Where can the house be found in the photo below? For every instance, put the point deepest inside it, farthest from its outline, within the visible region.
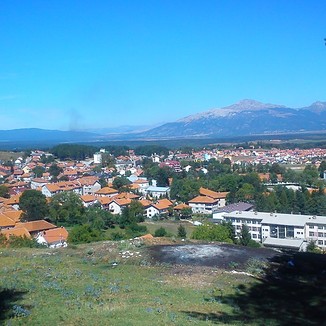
(158, 208)
(107, 191)
(34, 227)
(53, 238)
(203, 205)
(90, 185)
(118, 204)
(157, 192)
(89, 200)
(221, 196)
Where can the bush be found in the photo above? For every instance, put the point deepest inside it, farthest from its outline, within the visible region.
(161, 232)
(182, 233)
(84, 234)
(134, 230)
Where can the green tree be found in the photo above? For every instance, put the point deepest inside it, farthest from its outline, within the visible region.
(182, 233)
(160, 232)
(99, 218)
(212, 232)
(33, 204)
(67, 208)
(4, 191)
(55, 170)
(38, 171)
(244, 238)
(121, 183)
(84, 234)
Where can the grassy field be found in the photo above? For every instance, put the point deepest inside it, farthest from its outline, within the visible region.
(170, 226)
(105, 284)
(119, 283)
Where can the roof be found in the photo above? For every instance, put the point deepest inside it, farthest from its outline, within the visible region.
(241, 206)
(286, 243)
(16, 231)
(88, 198)
(145, 202)
(55, 235)
(203, 199)
(5, 221)
(181, 206)
(157, 189)
(34, 226)
(106, 191)
(13, 214)
(278, 218)
(212, 194)
(162, 204)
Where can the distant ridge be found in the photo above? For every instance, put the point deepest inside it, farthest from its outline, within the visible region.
(247, 117)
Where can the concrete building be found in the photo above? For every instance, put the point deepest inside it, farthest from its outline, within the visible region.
(292, 231)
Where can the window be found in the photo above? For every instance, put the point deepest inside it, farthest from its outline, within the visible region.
(311, 226)
(290, 232)
(320, 242)
(254, 236)
(320, 234)
(311, 234)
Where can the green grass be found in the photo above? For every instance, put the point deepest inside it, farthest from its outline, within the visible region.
(170, 226)
(82, 286)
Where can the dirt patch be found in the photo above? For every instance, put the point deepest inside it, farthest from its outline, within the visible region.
(213, 255)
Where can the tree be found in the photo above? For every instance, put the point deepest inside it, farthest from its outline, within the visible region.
(33, 204)
(38, 171)
(55, 170)
(120, 183)
(4, 192)
(245, 237)
(67, 208)
(84, 234)
(182, 233)
(99, 218)
(160, 232)
(212, 232)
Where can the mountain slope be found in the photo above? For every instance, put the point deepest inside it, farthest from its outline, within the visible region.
(248, 117)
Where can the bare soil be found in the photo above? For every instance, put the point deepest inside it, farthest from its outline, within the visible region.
(221, 256)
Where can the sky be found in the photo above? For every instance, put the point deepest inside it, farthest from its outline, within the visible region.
(78, 65)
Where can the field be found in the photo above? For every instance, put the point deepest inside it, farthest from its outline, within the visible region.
(120, 283)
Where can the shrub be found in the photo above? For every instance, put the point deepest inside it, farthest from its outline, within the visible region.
(161, 232)
(182, 233)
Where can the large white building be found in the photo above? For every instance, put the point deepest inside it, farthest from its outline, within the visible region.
(281, 230)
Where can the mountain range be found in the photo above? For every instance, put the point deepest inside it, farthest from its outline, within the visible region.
(245, 118)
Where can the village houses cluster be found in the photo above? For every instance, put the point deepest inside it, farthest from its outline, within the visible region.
(81, 178)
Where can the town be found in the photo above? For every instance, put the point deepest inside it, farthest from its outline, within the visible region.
(276, 195)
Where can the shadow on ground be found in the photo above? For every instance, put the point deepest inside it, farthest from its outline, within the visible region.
(292, 291)
(8, 301)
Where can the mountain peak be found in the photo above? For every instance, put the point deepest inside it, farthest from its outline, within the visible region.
(317, 106)
(243, 105)
(248, 104)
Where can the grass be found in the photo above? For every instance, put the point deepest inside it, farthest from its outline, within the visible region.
(118, 283)
(93, 284)
(170, 226)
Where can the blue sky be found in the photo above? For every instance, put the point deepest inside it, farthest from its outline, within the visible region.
(96, 64)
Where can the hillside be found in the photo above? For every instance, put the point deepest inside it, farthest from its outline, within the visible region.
(118, 283)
